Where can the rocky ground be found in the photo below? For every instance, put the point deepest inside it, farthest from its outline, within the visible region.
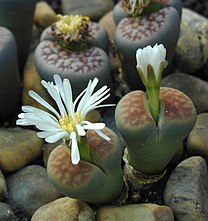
(185, 182)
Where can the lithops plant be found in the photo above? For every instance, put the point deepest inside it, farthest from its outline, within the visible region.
(87, 165)
(142, 23)
(127, 8)
(10, 80)
(75, 48)
(17, 16)
(153, 135)
(99, 180)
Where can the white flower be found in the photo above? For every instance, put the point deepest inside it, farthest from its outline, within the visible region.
(69, 122)
(154, 56)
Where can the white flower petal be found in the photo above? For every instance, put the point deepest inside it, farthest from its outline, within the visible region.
(69, 102)
(85, 97)
(41, 124)
(151, 55)
(93, 106)
(93, 126)
(54, 93)
(59, 84)
(56, 137)
(101, 134)
(44, 134)
(75, 156)
(40, 113)
(41, 101)
(80, 130)
(94, 100)
(22, 122)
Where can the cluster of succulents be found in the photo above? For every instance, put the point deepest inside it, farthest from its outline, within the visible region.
(70, 58)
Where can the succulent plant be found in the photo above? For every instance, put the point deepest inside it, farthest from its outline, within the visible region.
(142, 23)
(87, 165)
(99, 181)
(151, 146)
(17, 16)
(75, 48)
(10, 87)
(153, 124)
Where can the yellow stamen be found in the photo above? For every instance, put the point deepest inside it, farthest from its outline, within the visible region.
(69, 24)
(68, 124)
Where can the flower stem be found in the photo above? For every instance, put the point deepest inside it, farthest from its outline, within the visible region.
(154, 102)
(84, 150)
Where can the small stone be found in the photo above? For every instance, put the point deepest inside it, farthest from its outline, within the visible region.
(3, 187)
(186, 191)
(6, 213)
(29, 189)
(18, 147)
(136, 212)
(195, 88)
(107, 22)
(44, 14)
(191, 52)
(64, 209)
(95, 9)
(197, 142)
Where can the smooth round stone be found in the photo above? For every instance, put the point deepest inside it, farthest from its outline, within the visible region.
(95, 9)
(186, 191)
(107, 22)
(18, 147)
(3, 187)
(64, 209)
(44, 14)
(191, 53)
(6, 213)
(135, 212)
(197, 142)
(29, 189)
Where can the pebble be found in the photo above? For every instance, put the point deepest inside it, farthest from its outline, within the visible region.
(135, 212)
(191, 86)
(197, 142)
(18, 147)
(6, 213)
(64, 209)
(3, 187)
(186, 191)
(29, 189)
(95, 9)
(107, 22)
(44, 14)
(191, 53)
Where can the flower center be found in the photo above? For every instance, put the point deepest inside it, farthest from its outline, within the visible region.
(70, 24)
(72, 32)
(68, 124)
